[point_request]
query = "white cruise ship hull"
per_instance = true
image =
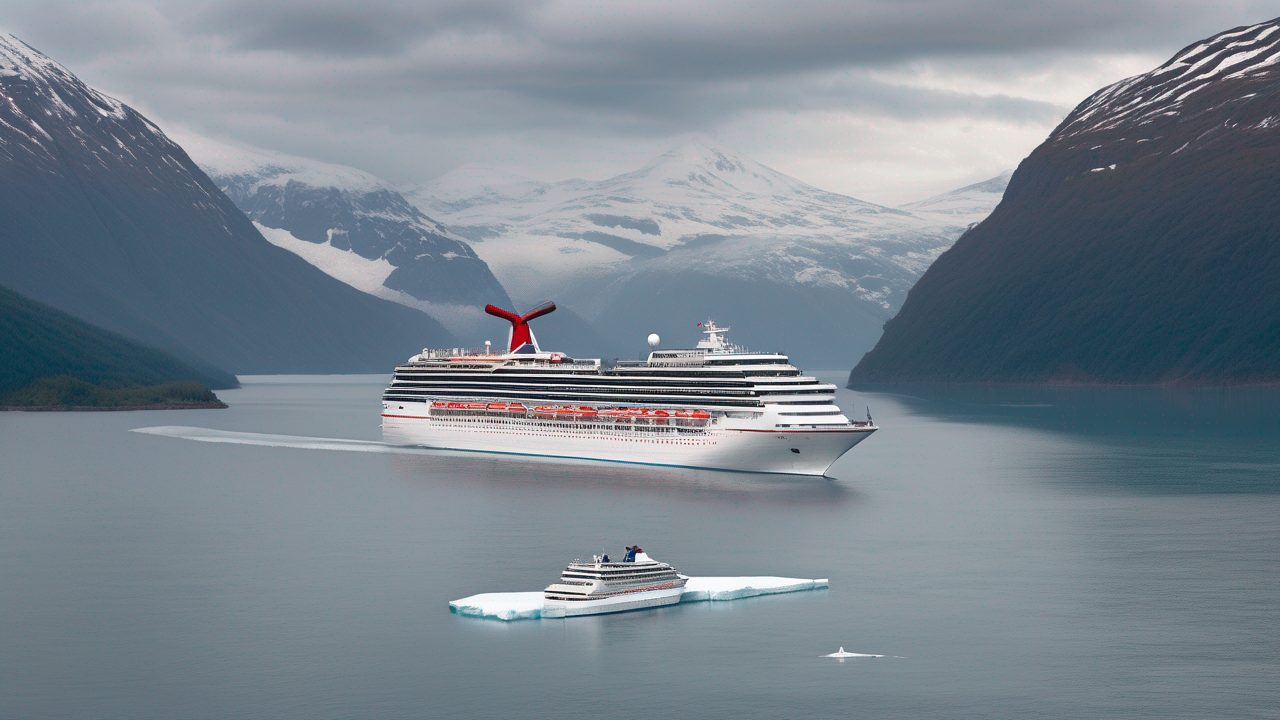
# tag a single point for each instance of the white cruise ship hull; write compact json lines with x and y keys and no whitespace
{"x":795,"y":451}
{"x":618,"y":603}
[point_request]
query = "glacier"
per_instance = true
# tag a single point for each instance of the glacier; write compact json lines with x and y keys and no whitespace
{"x":509,"y":606}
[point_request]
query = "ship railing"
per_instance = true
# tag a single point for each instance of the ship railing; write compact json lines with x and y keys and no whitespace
{"x":446,"y":353}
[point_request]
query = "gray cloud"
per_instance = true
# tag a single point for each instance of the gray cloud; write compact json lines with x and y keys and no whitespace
{"x":409,"y":89}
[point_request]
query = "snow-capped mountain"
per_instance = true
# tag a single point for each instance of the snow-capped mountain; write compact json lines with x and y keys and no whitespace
{"x":1137,"y":244}
{"x":354,"y":226}
{"x":703,"y":229}
{"x":104,"y":217}
{"x":1199,"y":71}
{"x":968,"y":205}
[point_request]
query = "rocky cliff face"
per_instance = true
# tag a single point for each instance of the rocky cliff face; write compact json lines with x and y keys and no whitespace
{"x":104,"y":217}
{"x":1139,"y":244}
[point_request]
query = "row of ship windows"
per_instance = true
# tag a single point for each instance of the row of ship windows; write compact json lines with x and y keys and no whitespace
{"x":594,"y":380}
{"x":457,"y":391}
{"x":535,"y":424}
{"x":569,"y":595}
{"x":455,"y":370}
{"x":516,"y":381}
{"x":619,"y":574}
{"x":423,"y":397}
{"x":626,"y":580}
{"x":806,"y":389}
{"x":542,"y":398}
{"x":674,"y":390}
{"x":615,"y":436}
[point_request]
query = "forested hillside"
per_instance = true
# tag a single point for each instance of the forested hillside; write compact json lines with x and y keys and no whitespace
{"x":48,"y":357}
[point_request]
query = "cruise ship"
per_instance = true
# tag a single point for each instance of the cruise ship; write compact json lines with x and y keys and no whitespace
{"x":712,"y":406}
{"x":602,"y":586}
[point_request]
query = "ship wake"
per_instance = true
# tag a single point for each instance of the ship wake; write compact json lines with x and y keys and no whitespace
{"x":287,"y":441}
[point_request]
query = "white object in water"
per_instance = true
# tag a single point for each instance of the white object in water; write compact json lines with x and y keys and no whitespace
{"x":842,"y":654}
{"x":714,"y":589}
{"x":654,"y":340}
{"x":531,"y":605}
{"x":618,"y":412}
{"x":602,"y":586}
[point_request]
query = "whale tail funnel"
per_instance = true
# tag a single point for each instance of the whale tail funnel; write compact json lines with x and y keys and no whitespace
{"x":520,"y":332}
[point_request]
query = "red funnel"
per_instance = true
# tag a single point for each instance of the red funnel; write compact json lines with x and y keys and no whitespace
{"x":520,"y":323}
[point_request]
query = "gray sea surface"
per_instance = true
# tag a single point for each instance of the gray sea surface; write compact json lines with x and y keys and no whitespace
{"x":1029,"y":553}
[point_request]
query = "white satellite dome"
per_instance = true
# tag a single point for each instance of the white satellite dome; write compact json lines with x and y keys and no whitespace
{"x":654,"y":340}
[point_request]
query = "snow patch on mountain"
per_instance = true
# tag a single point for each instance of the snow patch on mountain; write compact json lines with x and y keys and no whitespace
{"x":358,"y":272}
{"x":339,"y":209}
{"x":1142,"y":99}
{"x":370,"y":276}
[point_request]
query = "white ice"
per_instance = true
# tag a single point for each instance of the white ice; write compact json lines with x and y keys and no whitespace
{"x":359,"y":272}
{"x":699,"y":589}
{"x":528,"y":605}
{"x":500,"y":606}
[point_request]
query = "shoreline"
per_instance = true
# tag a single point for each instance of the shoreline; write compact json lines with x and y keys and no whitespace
{"x":215,"y":405}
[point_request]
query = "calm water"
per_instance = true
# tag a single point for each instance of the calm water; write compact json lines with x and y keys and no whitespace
{"x":1028,"y":553}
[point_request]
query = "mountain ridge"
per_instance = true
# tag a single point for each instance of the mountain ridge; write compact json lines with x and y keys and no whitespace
{"x":351,"y":211}
{"x":108,"y":219}
{"x":1137,"y":245}
{"x":644,"y":249}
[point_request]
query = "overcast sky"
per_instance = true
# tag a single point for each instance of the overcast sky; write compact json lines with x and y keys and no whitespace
{"x":886,"y":101}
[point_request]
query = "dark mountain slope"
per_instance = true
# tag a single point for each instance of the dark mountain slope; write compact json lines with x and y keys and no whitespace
{"x":38,"y":341}
{"x":103,"y":216}
{"x":1139,"y":244}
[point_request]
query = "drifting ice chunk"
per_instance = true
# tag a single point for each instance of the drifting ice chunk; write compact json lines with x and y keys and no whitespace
{"x":501,"y":606}
{"x":733,"y":588}
{"x":528,"y":605}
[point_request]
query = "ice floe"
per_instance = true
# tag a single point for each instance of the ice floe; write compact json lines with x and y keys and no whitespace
{"x":510,"y":606}
{"x":715,"y":589}
{"x":500,"y":606}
